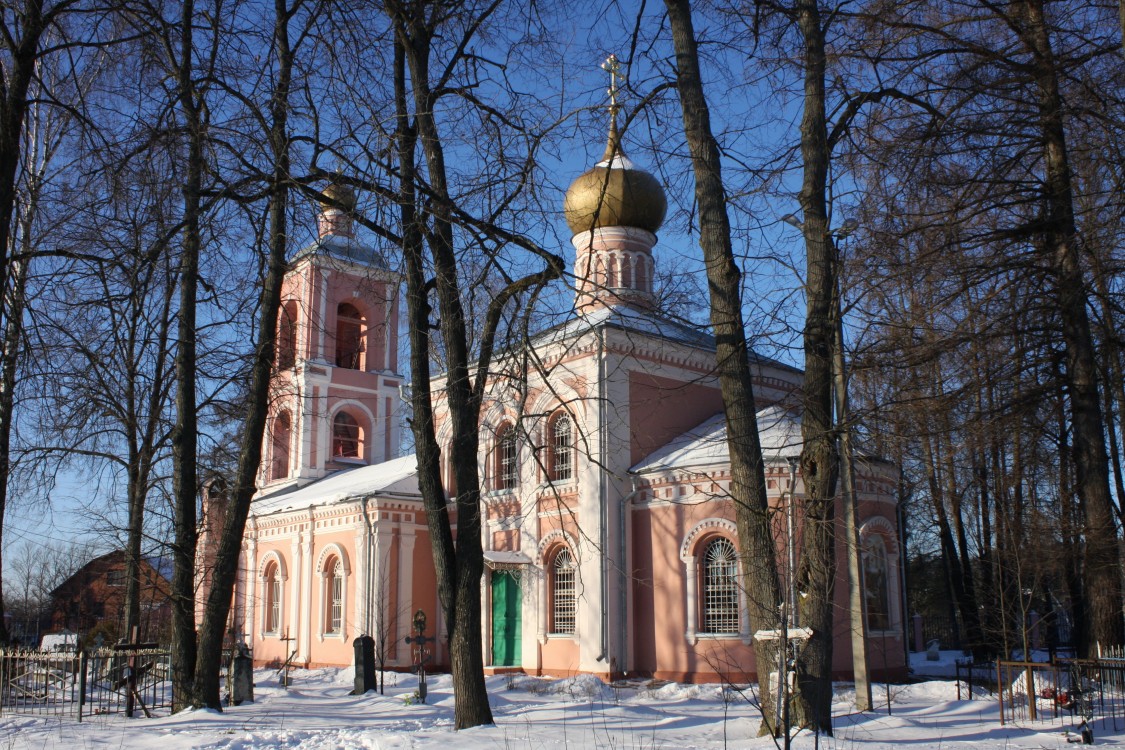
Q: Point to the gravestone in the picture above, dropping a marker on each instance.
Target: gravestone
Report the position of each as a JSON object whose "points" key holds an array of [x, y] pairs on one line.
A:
{"points": [[364, 664], [242, 677]]}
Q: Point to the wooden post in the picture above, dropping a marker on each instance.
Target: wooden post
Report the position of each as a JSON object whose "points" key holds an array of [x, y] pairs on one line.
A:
{"points": [[285, 667], [132, 697], [82, 664], [131, 675], [1000, 691]]}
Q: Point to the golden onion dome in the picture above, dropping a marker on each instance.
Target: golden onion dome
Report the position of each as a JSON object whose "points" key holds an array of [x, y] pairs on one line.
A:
{"points": [[615, 193], [338, 196]]}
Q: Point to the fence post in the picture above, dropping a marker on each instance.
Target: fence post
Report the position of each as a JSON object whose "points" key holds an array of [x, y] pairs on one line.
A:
{"points": [[1029, 680], [82, 662], [1000, 691], [918, 637]]}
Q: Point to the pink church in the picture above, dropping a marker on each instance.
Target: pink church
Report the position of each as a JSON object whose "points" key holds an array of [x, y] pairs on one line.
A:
{"points": [[609, 538]]}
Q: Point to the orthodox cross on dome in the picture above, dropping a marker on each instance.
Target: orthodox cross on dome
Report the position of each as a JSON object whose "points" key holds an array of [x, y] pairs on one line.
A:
{"points": [[613, 66]]}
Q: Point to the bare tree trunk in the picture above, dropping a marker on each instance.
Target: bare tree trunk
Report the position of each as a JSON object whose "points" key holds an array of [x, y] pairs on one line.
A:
{"points": [[185, 487], [225, 571], [14, 302], [459, 565], [748, 485], [16, 75], [1102, 569], [819, 457]]}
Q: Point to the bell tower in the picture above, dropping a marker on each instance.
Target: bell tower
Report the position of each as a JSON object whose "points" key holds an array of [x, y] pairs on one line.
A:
{"points": [[336, 382]]}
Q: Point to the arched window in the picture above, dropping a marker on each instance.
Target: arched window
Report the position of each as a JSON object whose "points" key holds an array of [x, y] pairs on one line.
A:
{"points": [[876, 591], [273, 598], [562, 448], [282, 436], [349, 337], [720, 587], [507, 465], [333, 596], [347, 437], [287, 336], [564, 593], [641, 272]]}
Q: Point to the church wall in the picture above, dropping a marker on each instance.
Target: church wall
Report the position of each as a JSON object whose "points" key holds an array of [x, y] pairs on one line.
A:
{"points": [[296, 286], [560, 656], [663, 409], [332, 648], [368, 297], [422, 594], [403, 582], [666, 643], [664, 647], [269, 648]]}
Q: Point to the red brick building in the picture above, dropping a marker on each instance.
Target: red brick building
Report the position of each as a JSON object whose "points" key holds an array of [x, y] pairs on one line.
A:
{"points": [[92, 601]]}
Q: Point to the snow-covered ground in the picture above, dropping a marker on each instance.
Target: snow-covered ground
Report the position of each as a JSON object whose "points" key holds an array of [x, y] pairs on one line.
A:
{"points": [[318, 713]]}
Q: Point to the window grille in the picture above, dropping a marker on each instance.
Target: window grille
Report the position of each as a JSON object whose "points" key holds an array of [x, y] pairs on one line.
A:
{"points": [[564, 593], [336, 600], [562, 449], [720, 588], [507, 448], [273, 600]]}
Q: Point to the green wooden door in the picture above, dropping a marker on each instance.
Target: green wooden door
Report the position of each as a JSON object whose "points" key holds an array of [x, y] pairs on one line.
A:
{"points": [[505, 619]]}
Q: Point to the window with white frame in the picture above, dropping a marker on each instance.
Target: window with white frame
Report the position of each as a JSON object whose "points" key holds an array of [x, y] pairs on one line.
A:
{"points": [[562, 448], [564, 593], [347, 437], [506, 458], [720, 587], [334, 596], [273, 598]]}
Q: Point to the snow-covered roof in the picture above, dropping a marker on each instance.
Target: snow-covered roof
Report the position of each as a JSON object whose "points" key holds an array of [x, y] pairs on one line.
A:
{"points": [[652, 324], [705, 445], [502, 557], [395, 477], [344, 248], [629, 319], [64, 640]]}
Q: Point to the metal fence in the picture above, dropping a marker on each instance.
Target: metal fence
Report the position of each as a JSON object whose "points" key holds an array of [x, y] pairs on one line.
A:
{"points": [[1067, 692], [106, 681], [975, 677]]}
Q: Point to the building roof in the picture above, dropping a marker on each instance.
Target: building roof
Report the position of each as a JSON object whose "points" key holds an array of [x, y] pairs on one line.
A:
{"points": [[705, 445], [651, 324], [627, 319], [398, 476], [343, 248]]}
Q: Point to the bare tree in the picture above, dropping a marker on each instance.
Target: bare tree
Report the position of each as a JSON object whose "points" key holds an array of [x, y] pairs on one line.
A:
{"points": [[748, 484], [27, 26], [429, 215]]}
